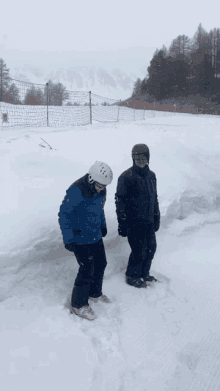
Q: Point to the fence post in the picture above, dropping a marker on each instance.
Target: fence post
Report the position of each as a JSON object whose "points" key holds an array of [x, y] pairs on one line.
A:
{"points": [[47, 104], [118, 110], [90, 105]]}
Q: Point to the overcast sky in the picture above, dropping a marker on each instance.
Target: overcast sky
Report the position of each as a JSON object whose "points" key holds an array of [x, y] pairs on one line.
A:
{"points": [[116, 33]]}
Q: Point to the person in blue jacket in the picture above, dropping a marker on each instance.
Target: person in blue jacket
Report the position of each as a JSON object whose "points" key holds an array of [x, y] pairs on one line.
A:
{"points": [[83, 225], [138, 214]]}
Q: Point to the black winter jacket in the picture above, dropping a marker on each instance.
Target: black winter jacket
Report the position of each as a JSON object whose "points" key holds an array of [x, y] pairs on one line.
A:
{"points": [[136, 198]]}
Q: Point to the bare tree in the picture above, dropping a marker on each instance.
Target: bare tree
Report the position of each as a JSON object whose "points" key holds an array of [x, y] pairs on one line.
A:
{"points": [[185, 45], [34, 96], [180, 45], [165, 51], [175, 47], [200, 38], [217, 68], [214, 36]]}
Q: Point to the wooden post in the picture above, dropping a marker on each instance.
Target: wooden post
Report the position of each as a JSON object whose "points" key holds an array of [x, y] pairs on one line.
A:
{"points": [[90, 105], [118, 111]]}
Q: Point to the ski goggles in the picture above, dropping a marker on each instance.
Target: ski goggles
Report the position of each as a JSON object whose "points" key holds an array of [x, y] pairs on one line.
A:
{"points": [[100, 186]]}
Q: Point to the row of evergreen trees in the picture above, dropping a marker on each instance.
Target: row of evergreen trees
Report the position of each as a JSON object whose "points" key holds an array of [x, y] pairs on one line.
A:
{"points": [[187, 67], [55, 94]]}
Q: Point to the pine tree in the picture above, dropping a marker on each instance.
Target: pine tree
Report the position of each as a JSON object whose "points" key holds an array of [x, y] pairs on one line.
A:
{"points": [[4, 79], [12, 95], [137, 88], [157, 83], [206, 76], [57, 93], [179, 72]]}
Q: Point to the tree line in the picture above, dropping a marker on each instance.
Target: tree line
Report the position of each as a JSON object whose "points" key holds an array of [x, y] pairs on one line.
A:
{"points": [[54, 94], [187, 67]]}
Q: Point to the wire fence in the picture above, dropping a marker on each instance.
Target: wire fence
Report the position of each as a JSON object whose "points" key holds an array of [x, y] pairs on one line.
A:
{"points": [[50, 104]]}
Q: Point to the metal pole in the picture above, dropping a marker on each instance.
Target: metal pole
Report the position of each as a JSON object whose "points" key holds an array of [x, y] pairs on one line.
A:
{"points": [[134, 111], [47, 104], [118, 110], [144, 111], [90, 105]]}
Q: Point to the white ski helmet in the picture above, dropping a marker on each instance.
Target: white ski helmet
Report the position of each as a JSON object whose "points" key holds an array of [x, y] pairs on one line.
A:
{"points": [[100, 172]]}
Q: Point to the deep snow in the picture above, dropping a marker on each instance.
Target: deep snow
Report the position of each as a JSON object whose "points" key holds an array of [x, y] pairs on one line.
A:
{"points": [[164, 337]]}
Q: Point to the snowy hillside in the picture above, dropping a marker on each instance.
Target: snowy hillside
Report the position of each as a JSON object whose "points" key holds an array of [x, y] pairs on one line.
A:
{"points": [[114, 84], [163, 338]]}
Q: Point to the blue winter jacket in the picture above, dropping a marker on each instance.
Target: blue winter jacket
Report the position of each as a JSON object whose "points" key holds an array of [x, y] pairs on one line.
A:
{"points": [[81, 215]]}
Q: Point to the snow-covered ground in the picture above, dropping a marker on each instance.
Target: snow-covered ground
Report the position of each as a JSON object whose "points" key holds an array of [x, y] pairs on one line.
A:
{"points": [[163, 338]]}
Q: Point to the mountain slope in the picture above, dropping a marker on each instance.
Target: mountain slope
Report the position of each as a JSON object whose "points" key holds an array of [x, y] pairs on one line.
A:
{"points": [[114, 84]]}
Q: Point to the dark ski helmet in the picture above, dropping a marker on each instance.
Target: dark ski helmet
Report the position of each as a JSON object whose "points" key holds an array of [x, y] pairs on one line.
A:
{"points": [[140, 149]]}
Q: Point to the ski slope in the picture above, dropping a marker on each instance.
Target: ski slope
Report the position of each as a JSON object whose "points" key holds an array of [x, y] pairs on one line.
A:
{"points": [[165, 337]]}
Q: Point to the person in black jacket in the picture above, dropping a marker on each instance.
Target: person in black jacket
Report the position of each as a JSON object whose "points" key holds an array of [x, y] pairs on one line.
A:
{"points": [[138, 214]]}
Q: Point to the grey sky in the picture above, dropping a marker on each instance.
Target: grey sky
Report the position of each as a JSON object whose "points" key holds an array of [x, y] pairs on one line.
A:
{"points": [[93, 32]]}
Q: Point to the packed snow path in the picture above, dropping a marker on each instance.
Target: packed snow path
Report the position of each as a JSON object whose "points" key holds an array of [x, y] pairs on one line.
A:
{"points": [[165, 337]]}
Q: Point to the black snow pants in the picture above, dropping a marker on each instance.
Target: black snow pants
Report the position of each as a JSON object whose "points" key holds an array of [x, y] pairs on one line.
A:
{"points": [[92, 263], [142, 240]]}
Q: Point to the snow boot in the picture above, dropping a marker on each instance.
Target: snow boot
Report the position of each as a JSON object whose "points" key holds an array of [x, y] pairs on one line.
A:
{"points": [[150, 278], [85, 312], [103, 299], [136, 282]]}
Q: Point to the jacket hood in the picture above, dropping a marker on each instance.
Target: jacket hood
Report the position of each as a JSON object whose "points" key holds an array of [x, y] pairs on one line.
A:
{"points": [[140, 149]]}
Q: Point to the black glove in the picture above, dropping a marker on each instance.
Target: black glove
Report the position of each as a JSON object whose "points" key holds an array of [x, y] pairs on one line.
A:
{"points": [[104, 231], [77, 232], [156, 223], [122, 230]]}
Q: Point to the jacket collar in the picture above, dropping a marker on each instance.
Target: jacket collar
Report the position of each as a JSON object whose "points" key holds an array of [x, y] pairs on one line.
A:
{"points": [[88, 189], [141, 171]]}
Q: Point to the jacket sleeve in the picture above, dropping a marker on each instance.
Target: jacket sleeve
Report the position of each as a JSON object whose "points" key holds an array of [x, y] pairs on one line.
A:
{"points": [[156, 210], [103, 220], [68, 219], [121, 200]]}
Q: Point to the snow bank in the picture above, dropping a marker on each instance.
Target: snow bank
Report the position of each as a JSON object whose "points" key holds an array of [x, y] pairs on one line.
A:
{"points": [[165, 337], [35, 177]]}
